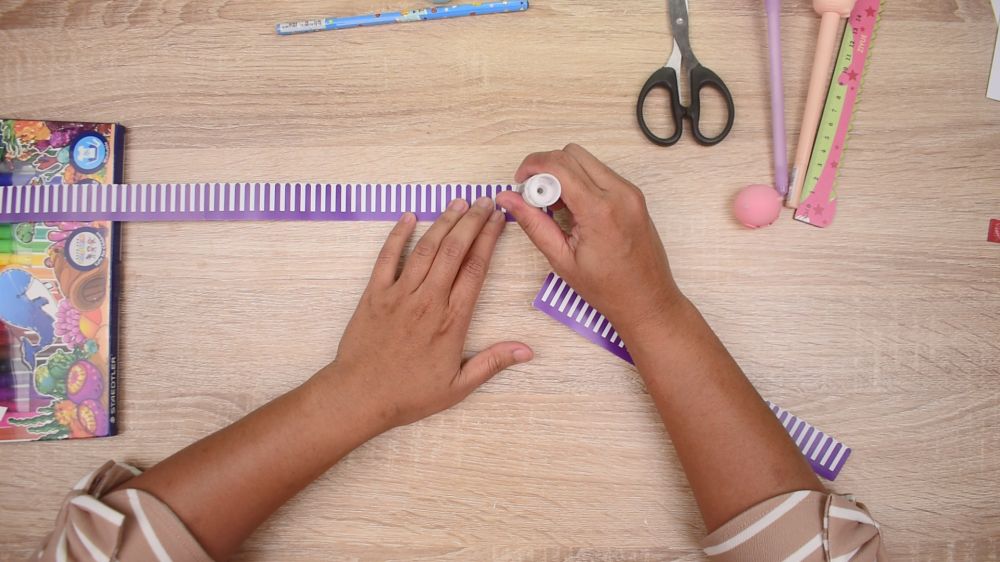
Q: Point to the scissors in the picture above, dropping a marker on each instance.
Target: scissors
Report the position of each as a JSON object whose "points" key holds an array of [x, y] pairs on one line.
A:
{"points": [[699, 77]]}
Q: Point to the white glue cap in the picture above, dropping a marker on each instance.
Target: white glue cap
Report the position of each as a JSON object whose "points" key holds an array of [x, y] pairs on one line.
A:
{"points": [[542, 190]]}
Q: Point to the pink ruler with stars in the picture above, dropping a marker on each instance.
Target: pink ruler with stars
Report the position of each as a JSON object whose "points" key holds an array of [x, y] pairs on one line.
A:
{"points": [[818, 204]]}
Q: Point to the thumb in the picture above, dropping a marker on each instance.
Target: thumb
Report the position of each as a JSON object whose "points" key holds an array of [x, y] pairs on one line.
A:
{"points": [[540, 229], [490, 361]]}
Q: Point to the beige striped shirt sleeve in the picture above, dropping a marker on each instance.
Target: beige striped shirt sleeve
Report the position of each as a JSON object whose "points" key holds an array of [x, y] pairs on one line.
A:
{"points": [[98, 524], [802, 526]]}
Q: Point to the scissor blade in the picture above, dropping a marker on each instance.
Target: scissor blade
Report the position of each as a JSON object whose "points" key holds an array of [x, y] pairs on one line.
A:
{"points": [[679, 25], [674, 61]]}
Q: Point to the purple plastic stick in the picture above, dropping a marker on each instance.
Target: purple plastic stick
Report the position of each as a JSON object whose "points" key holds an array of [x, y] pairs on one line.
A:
{"points": [[777, 96]]}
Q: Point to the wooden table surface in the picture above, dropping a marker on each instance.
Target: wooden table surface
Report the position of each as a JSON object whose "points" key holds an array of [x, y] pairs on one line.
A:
{"points": [[882, 330]]}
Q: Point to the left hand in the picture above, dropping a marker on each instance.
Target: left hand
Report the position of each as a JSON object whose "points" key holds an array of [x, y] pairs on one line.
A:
{"points": [[403, 347], [400, 360]]}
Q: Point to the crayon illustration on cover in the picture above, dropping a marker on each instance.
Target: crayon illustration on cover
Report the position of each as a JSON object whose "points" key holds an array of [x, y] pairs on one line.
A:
{"points": [[58, 326]]}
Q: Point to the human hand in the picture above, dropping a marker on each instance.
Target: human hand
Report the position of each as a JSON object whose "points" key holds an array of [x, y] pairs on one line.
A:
{"points": [[404, 344], [612, 256]]}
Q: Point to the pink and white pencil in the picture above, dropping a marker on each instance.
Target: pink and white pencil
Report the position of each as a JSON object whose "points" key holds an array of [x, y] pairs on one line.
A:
{"points": [[832, 12]]}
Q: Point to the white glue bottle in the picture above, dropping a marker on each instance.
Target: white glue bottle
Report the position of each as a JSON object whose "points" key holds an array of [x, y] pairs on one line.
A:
{"points": [[541, 190]]}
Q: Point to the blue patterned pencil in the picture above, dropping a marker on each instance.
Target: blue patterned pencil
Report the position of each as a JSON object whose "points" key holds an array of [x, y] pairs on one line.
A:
{"points": [[382, 18]]}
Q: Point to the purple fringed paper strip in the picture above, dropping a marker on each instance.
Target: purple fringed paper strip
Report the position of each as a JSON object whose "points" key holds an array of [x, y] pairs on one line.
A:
{"points": [[233, 201], [825, 454]]}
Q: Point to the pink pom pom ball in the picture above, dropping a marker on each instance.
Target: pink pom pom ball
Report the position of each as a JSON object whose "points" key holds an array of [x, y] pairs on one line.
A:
{"points": [[757, 206]]}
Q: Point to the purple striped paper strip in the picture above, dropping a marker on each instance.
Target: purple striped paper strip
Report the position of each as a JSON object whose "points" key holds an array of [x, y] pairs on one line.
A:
{"points": [[825, 454], [234, 201], [561, 302]]}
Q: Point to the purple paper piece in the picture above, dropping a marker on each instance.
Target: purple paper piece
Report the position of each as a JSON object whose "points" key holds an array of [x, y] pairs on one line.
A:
{"points": [[233, 202], [553, 300], [556, 298]]}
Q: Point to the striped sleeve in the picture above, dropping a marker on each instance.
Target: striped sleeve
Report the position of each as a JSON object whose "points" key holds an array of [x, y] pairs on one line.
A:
{"points": [[805, 526], [97, 523]]}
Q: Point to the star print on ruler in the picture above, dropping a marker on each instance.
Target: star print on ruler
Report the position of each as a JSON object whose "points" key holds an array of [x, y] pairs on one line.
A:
{"points": [[818, 205]]}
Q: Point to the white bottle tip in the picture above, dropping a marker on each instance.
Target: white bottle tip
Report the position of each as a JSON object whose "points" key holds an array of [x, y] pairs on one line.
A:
{"points": [[542, 190]]}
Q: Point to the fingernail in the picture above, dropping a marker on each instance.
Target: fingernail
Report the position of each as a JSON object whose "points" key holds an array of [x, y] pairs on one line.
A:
{"points": [[407, 218], [484, 202], [523, 355], [496, 216], [458, 205]]}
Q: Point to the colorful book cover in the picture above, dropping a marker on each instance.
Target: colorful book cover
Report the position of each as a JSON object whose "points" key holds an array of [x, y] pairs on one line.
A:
{"points": [[58, 289]]}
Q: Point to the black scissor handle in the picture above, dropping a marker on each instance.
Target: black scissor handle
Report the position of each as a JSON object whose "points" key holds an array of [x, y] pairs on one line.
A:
{"points": [[666, 78], [700, 78]]}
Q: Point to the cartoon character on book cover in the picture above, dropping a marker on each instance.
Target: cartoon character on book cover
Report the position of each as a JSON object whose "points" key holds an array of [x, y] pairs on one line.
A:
{"points": [[56, 341]]}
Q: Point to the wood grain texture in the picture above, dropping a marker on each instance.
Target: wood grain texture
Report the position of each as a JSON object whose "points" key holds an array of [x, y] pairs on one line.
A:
{"points": [[882, 330]]}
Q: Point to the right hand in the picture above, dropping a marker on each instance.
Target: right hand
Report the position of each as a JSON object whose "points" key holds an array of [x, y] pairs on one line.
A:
{"points": [[612, 256]]}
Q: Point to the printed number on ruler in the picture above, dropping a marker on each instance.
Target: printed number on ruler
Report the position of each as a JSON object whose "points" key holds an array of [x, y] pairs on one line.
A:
{"points": [[825, 454], [233, 201]]}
